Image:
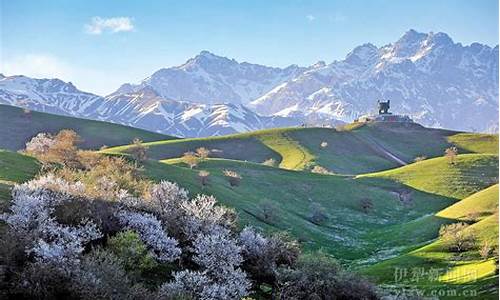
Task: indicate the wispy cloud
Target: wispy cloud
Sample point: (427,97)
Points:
(99,25)
(310,18)
(37,65)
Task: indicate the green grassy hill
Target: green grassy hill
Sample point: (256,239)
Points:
(458,274)
(17,127)
(375,222)
(15,168)
(355,150)
(467,175)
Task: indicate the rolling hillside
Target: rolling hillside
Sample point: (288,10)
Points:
(373,222)
(460,276)
(17,127)
(357,150)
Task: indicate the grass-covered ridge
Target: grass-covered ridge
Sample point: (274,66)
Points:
(468,174)
(357,150)
(444,270)
(18,127)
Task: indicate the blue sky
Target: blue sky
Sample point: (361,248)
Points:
(99,44)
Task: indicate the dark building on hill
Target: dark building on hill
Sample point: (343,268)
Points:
(384,115)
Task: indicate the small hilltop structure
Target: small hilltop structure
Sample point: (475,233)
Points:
(384,115)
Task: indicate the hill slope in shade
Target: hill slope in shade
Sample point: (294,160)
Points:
(18,127)
(362,149)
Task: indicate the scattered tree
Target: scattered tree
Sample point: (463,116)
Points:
(318,213)
(457,237)
(233,177)
(268,211)
(320,277)
(138,151)
(203,177)
(191,159)
(202,153)
(58,149)
(420,158)
(451,153)
(321,170)
(366,205)
(271,162)
(486,250)
(323,144)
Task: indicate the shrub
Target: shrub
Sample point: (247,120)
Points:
(451,153)
(59,149)
(366,205)
(138,151)
(486,250)
(271,162)
(457,238)
(129,248)
(321,170)
(233,177)
(268,211)
(203,177)
(420,158)
(318,213)
(202,153)
(191,159)
(151,233)
(323,145)
(319,277)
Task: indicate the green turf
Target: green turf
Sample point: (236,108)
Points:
(470,173)
(18,127)
(433,268)
(15,168)
(360,149)
(291,194)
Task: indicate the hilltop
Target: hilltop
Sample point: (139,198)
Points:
(356,149)
(19,126)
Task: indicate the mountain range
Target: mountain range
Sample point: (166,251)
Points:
(427,76)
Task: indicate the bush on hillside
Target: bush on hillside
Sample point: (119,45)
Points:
(319,277)
(55,149)
(138,151)
(451,154)
(233,177)
(203,176)
(202,153)
(323,145)
(191,159)
(318,213)
(321,170)
(271,162)
(457,238)
(420,158)
(366,205)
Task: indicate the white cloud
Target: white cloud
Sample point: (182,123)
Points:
(37,66)
(99,25)
(49,66)
(310,18)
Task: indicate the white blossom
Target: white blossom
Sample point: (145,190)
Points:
(253,243)
(217,252)
(40,143)
(185,283)
(151,233)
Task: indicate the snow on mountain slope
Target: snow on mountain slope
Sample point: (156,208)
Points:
(208,78)
(142,108)
(427,76)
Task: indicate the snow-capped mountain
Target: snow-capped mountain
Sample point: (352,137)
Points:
(143,108)
(146,109)
(208,78)
(428,76)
